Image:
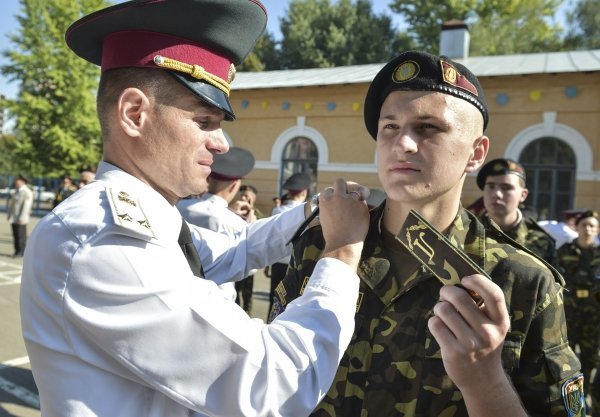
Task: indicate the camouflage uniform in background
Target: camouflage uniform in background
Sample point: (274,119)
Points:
(529,234)
(393,365)
(581,271)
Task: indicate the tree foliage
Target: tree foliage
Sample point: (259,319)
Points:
(54,112)
(264,57)
(319,33)
(497,27)
(584,26)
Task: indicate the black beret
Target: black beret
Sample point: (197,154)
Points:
(249,187)
(586,214)
(500,166)
(297,182)
(198,42)
(420,71)
(232,165)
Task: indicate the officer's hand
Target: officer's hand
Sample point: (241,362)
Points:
(344,217)
(241,208)
(471,337)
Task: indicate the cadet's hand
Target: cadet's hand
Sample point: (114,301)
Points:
(344,217)
(471,337)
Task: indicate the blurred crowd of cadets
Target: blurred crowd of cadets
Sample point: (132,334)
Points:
(42,203)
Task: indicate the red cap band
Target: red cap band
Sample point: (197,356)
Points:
(138,49)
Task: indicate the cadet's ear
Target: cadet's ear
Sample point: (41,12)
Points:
(133,109)
(479,152)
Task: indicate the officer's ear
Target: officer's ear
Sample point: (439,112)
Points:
(478,154)
(133,108)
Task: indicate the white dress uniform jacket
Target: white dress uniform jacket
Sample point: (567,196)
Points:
(116,324)
(288,205)
(212,212)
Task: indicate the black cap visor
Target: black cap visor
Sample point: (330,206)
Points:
(206,92)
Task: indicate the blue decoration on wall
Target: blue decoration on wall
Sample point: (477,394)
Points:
(501,99)
(571,91)
(285,105)
(331,106)
(245,104)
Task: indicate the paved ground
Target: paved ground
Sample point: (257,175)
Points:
(18,393)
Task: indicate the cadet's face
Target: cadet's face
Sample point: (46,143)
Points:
(425,141)
(248,196)
(185,137)
(502,194)
(588,228)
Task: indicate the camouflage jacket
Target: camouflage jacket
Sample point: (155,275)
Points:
(393,365)
(582,276)
(529,234)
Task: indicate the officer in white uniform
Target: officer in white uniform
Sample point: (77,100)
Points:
(114,320)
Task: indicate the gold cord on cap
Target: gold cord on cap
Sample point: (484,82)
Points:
(195,71)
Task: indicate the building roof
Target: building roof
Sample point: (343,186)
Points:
(482,66)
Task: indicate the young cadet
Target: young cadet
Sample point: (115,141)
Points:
(579,262)
(116,318)
(420,348)
(503,184)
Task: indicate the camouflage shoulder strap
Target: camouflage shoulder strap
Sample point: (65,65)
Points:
(436,253)
(497,233)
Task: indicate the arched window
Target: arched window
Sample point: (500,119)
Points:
(550,167)
(299,155)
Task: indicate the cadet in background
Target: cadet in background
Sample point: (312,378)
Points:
(503,184)
(579,262)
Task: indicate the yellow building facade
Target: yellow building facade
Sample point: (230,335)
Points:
(547,119)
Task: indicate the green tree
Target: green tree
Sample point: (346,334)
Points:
(319,33)
(8,144)
(264,57)
(584,26)
(54,112)
(497,27)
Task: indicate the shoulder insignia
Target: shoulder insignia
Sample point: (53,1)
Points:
(573,396)
(436,253)
(128,213)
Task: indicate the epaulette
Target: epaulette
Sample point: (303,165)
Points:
(502,237)
(436,253)
(532,224)
(128,213)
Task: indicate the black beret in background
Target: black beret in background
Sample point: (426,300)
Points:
(500,166)
(586,214)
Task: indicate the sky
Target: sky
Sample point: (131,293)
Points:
(275,10)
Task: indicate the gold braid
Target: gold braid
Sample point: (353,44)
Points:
(195,71)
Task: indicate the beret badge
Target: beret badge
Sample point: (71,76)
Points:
(456,79)
(498,168)
(406,71)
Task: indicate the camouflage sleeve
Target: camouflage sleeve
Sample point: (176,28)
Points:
(544,369)
(305,254)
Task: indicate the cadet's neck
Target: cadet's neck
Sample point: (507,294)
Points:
(509,221)
(440,214)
